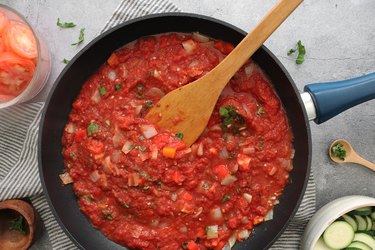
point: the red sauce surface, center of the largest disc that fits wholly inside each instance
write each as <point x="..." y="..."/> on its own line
<point x="154" y="193"/>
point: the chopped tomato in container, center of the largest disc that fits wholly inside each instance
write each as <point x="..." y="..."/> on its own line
<point x="24" y="59"/>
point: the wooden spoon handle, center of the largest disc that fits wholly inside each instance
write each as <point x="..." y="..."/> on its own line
<point x="364" y="162"/>
<point x="253" y="40"/>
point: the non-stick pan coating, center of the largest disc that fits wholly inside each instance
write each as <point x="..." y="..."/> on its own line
<point x="68" y="85"/>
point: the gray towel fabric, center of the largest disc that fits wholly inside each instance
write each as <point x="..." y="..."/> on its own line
<point x="19" y="126"/>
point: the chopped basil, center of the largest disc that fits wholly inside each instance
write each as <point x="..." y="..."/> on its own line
<point x="126" y="206"/>
<point x="141" y="137"/>
<point x="102" y="90"/>
<point x="180" y="135"/>
<point x="109" y="217"/>
<point x="66" y="61"/>
<point x="18" y="224"/>
<point x="339" y="151"/>
<point x="64" y="25"/>
<point x="131" y="147"/>
<point x="291" y="51"/>
<point x="88" y="198"/>
<point x="141" y="148"/>
<point x="92" y="129"/>
<point x="147" y="105"/>
<point x="139" y="90"/>
<point x="301" y="52"/>
<point x="146" y="187"/>
<point x="226" y="197"/>
<point x="81" y="37"/>
<point x="231" y="120"/>
<point x="117" y="87"/>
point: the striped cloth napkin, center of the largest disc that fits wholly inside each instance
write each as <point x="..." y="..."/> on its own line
<point x="19" y="126"/>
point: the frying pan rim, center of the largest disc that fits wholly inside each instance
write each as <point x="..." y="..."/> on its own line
<point x="161" y="15"/>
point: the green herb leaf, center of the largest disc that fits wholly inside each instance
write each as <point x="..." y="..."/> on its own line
<point x="301" y="52"/>
<point x="66" y="61"/>
<point x="126" y="206"/>
<point x="131" y="147"/>
<point x="88" y="198"/>
<point x="291" y="51"/>
<point x="118" y="87"/>
<point x="147" y="105"/>
<point x="141" y="148"/>
<point x="339" y="151"/>
<point x="109" y="217"/>
<point x="81" y="37"/>
<point x="102" y="90"/>
<point x="92" y="129"/>
<point x="180" y="135"/>
<point x="18" y="224"/>
<point x="226" y="197"/>
<point x="231" y="120"/>
<point x="146" y="187"/>
<point x="64" y="25"/>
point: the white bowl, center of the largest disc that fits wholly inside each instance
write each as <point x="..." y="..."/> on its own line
<point x="328" y="214"/>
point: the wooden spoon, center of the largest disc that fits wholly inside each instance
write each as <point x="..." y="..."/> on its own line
<point x="187" y="109"/>
<point x="351" y="155"/>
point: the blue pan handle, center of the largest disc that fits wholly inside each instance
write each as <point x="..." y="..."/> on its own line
<point x="332" y="98"/>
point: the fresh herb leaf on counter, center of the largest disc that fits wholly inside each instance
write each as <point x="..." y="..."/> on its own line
<point x="18" y="224"/>
<point x="65" y="25"/>
<point x="339" y="151"/>
<point x="81" y="37"/>
<point x="301" y="52"/>
<point x="66" y="61"/>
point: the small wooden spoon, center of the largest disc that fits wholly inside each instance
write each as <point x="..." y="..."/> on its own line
<point x="351" y="155"/>
<point x="187" y="109"/>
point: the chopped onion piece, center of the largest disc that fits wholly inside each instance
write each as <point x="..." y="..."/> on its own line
<point x="216" y="214"/>
<point x="246" y="109"/>
<point x="117" y="139"/>
<point x="174" y="197"/>
<point x="248" y="197"/>
<point x="189" y="45"/>
<point x="200" y="149"/>
<point x="154" y="152"/>
<point x="216" y="127"/>
<point x="269" y="215"/>
<point x="243" y="161"/>
<point x="293" y="153"/>
<point x="143" y="156"/>
<point x="154" y="223"/>
<point x="96" y="97"/>
<point x="112" y="75"/>
<point x="229" y="179"/>
<point x="70" y="128"/>
<point x="148" y="131"/>
<point x="198" y="212"/>
<point x="248" y="150"/>
<point x="233" y="168"/>
<point x="183" y="229"/>
<point x="226" y="247"/>
<point x="200" y="38"/>
<point x="138" y="109"/>
<point x="224" y="153"/>
<point x="66" y="178"/>
<point x="250" y="69"/>
<point x="95" y="176"/>
<point x="243" y="234"/>
<point x="212" y="232"/>
<point x="154" y="92"/>
<point x="133" y="180"/>
<point x="156" y="73"/>
<point x="128" y="146"/>
<point x="232" y="240"/>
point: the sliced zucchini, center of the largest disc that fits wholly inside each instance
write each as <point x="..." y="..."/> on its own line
<point x="320" y="245"/>
<point x="351" y="221"/>
<point x="338" y="235"/>
<point x="371" y="232"/>
<point x="358" y="245"/>
<point x="369" y="223"/>
<point x="365" y="238"/>
<point x="373" y="225"/>
<point x="361" y="221"/>
<point x="363" y="211"/>
<point x="373" y="215"/>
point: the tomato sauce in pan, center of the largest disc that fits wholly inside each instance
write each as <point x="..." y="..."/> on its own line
<point x="141" y="186"/>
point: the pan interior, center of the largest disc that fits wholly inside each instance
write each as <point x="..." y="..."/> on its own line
<point x="68" y="85"/>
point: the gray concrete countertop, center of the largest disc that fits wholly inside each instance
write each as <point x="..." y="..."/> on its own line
<point x="339" y="37"/>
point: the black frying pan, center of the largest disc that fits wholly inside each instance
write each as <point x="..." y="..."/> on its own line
<point x="68" y="85"/>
